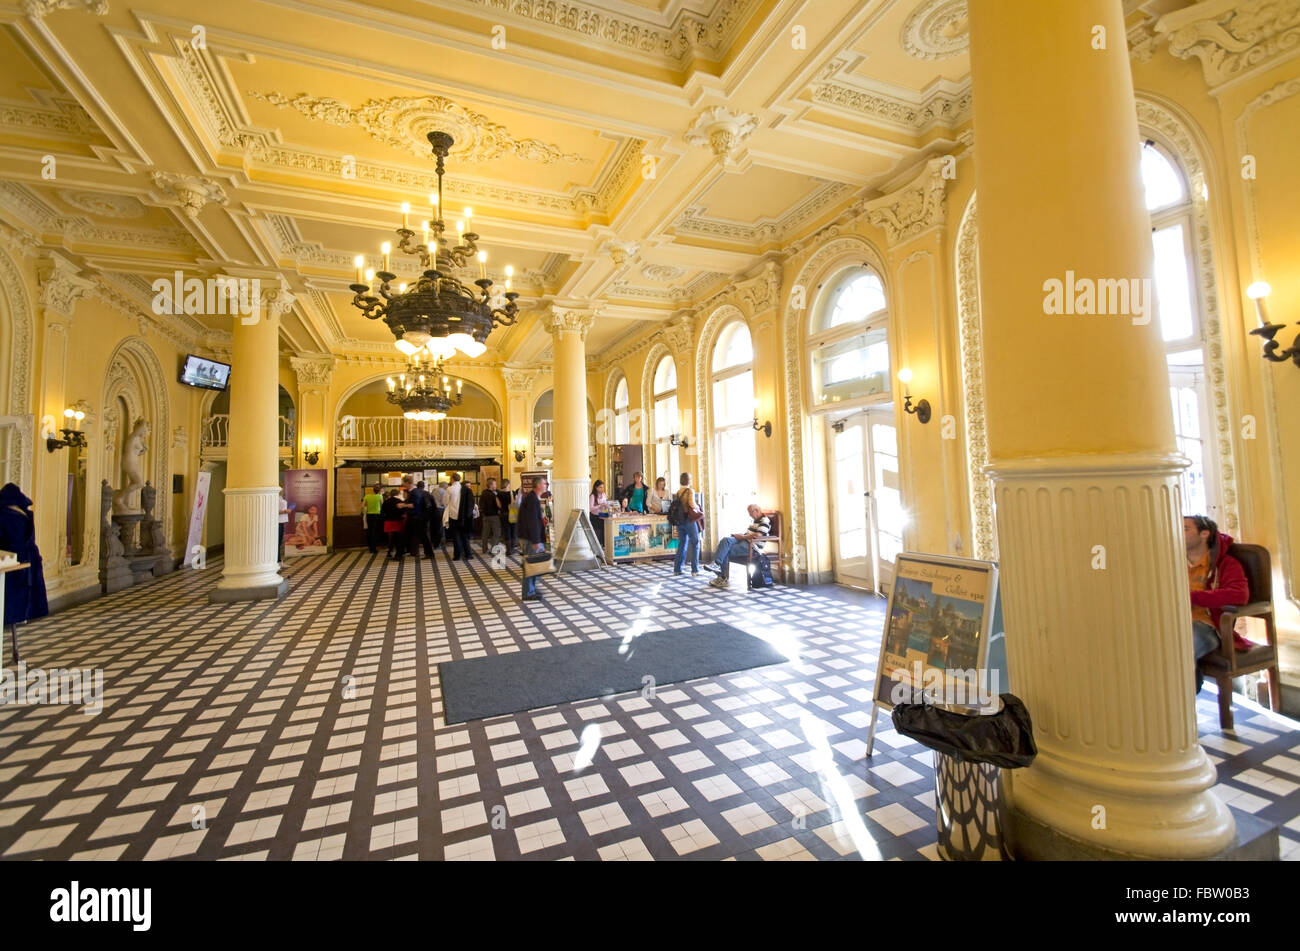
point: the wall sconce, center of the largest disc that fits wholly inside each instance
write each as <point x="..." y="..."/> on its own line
<point x="764" y="428"/>
<point x="676" y="440"/>
<point x="73" y="437"/>
<point x="311" y="451"/>
<point x="1273" y="351"/>
<point x="922" y="408"/>
<point x="520" y="449"/>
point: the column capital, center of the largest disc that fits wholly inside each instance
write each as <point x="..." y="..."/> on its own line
<point x="762" y="290"/>
<point x="680" y="334"/>
<point x="313" y="370"/>
<point x="279" y="299"/>
<point x="519" y="381"/>
<point x="914" y="208"/>
<point x="560" y="320"/>
<point x="62" y="285"/>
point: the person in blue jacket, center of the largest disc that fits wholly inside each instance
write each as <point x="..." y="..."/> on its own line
<point x="24" y="590"/>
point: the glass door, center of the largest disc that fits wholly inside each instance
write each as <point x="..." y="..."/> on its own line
<point x="885" y="508"/>
<point x="850" y="503"/>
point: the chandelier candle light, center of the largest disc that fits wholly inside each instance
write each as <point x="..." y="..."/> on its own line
<point x="438" y="313"/>
<point x="424" y="391"/>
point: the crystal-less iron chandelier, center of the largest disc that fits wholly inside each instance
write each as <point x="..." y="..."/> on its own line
<point x="424" y="391"/>
<point x="437" y="313"/>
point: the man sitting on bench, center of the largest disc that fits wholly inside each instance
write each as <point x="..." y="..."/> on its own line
<point x="736" y="547"/>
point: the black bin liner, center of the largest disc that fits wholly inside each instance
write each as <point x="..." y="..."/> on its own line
<point x="1005" y="738"/>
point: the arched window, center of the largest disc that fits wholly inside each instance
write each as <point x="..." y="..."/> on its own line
<point x="666" y="421"/>
<point x="849" y="341"/>
<point x="1169" y="201"/>
<point x="733" y="425"/>
<point x="622" y="427"/>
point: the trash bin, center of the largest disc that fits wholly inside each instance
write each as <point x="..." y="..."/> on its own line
<point x="971" y="748"/>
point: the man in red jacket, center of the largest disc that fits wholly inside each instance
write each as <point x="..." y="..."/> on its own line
<point x="1216" y="580"/>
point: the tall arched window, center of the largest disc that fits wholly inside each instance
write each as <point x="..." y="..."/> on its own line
<point x="1181" y="322"/>
<point x="733" y="425"/>
<point x="849" y="370"/>
<point x="849" y="342"/>
<point x="622" y="427"/>
<point x="666" y="422"/>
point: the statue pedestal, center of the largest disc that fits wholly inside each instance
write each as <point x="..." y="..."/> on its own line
<point x="129" y="523"/>
<point x="114" y="571"/>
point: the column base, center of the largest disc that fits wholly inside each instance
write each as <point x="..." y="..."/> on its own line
<point x="263" y="592"/>
<point x="251" y="570"/>
<point x="1256" y="840"/>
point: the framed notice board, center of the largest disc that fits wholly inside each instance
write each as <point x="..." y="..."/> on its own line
<point x="942" y="629"/>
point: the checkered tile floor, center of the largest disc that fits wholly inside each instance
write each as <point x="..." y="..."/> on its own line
<point x="312" y="728"/>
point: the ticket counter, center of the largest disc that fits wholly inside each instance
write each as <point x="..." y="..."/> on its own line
<point x="636" y="537"/>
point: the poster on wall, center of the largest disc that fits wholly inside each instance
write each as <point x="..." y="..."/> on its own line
<point x="937" y="635"/>
<point x="305" y="492"/>
<point x="526" y="479"/>
<point x="198" y="511"/>
<point x="347" y="491"/>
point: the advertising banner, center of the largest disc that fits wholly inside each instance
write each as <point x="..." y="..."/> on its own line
<point x="198" y="512"/>
<point x="306" y="492"/>
<point x="347" y="491"/>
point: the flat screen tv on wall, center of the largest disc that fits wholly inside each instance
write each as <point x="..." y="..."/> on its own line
<point x="206" y="374"/>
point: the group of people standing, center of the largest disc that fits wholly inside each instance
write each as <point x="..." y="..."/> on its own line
<point x="414" y="517"/>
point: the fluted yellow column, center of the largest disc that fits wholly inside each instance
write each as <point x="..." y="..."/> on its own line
<point x="251" y="570"/>
<point x="1081" y="445"/>
<point x="568" y="327"/>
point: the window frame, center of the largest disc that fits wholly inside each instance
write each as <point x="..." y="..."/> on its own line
<point x="815" y="340"/>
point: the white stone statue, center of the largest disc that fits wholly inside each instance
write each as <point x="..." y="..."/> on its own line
<point x="126" y="501"/>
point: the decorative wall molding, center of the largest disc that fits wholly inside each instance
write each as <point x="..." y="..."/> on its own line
<point x="937" y="29"/>
<point x="719" y="317"/>
<point x="693" y="220"/>
<point x="17" y="330"/>
<point x="53" y="115"/>
<point x="1232" y="37"/>
<point x="913" y="209"/>
<point x="404" y="123"/>
<point x="970" y="335"/>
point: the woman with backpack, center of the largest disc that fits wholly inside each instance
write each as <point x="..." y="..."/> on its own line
<point x="686" y="518"/>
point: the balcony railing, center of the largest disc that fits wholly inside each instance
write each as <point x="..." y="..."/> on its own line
<point x="215" y="437"/>
<point x="544" y="437"/>
<point x="361" y="437"/>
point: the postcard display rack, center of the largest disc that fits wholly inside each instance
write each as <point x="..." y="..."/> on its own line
<point x="943" y="633"/>
<point x="636" y="537"/>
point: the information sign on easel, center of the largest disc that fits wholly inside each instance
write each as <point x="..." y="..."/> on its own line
<point x="943" y="636"/>
<point x="579" y="520"/>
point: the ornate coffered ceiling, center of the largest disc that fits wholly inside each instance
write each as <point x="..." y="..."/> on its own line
<point x="635" y="155"/>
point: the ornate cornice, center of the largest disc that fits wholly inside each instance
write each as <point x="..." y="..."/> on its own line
<point x="765" y="231"/>
<point x="313" y="370"/>
<point x="190" y="192"/>
<point x="404" y="122"/>
<point x="941" y="107"/>
<point x="20" y="242"/>
<point x="686" y="37"/>
<point x="679" y="335"/>
<point x="1232" y="37"/>
<point x="40" y="8"/>
<point x="913" y="209"/>
<point x="62" y="285"/>
<point x="59" y="116"/>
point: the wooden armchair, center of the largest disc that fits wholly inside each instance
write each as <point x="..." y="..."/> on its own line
<point x="772" y="545"/>
<point x="1227" y="662"/>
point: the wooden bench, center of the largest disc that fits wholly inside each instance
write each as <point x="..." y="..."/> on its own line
<point x="767" y="545"/>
